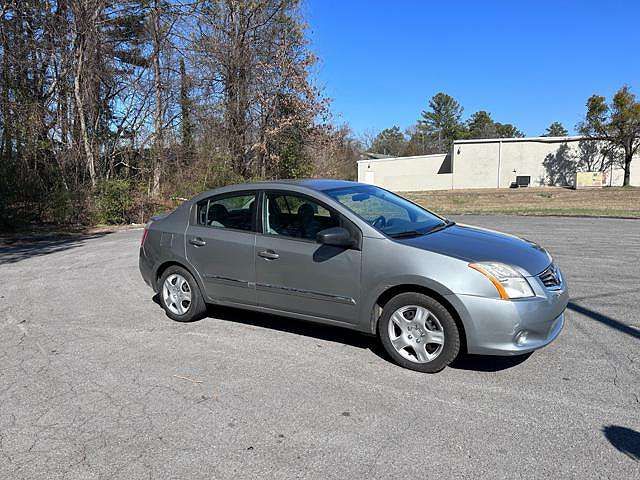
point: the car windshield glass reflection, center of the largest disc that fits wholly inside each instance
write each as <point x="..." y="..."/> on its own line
<point x="387" y="212"/>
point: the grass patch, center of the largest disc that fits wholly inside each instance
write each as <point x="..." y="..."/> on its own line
<point x="545" y="194"/>
<point x="605" y="202"/>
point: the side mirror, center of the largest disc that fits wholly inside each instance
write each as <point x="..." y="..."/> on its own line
<point x="336" y="236"/>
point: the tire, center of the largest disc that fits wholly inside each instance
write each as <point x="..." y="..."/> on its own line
<point x="174" y="299"/>
<point x="424" y="333"/>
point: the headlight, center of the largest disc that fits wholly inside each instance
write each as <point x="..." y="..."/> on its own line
<point x="507" y="280"/>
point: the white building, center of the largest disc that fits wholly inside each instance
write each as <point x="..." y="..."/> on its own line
<point x="481" y="163"/>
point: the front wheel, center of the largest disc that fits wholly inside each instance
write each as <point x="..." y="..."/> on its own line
<point x="180" y="295"/>
<point x="419" y="333"/>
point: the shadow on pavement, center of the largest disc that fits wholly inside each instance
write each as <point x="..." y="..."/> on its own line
<point x="605" y="295"/>
<point x="604" y="319"/>
<point x="286" y="324"/>
<point x="487" y="363"/>
<point x="329" y="333"/>
<point x="22" y="249"/>
<point x="291" y="325"/>
<point x="624" y="439"/>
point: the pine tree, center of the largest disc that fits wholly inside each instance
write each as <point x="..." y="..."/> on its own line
<point x="441" y="123"/>
<point x="556" y="129"/>
<point x="389" y="141"/>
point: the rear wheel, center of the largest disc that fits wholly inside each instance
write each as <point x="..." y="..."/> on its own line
<point x="419" y="333"/>
<point x="180" y="295"/>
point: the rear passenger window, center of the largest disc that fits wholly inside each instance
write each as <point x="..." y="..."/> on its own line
<point x="230" y="211"/>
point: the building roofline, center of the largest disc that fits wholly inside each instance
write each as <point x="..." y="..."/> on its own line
<point x="402" y="158"/>
<point x="523" y="139"/>
<point x="373" y="155"/>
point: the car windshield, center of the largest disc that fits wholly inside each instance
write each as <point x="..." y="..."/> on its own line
<point x="385" y="211"/>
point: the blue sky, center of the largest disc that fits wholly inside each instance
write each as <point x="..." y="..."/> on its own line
<point x="528" y="63"/>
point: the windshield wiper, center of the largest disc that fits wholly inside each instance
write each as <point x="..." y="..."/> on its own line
<point x="447" y="223"/>
<point x="414" y="233"/>
<point x="408" y="233"/>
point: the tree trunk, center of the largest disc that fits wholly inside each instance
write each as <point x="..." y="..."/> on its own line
<point x="6" y="146"/>
<point x="157" y="120"/>
<point x="186" y="127"/>
<point x="237" y="89"/>
<point x="77" y="90"/>
<point x="628" y="156"/>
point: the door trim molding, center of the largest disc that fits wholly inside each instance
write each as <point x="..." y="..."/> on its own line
<point x="300" y="292"/>
<point x="227" y="280"/>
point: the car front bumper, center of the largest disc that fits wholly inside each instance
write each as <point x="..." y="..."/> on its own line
<point x="512" y="327"/>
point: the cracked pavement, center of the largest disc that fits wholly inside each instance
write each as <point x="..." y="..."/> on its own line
<point x="97" y="383"/>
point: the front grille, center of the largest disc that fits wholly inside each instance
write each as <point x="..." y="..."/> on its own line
<point x="551" y="277"/>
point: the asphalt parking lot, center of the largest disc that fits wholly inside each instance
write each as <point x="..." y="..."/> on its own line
<point x="96" y="382"/>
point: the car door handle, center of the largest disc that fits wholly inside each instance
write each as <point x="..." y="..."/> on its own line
<point x="269" y="255"/>
<point x="197" y="241"/>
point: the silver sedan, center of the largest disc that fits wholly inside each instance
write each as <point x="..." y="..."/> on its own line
<point x="357" y="256"/>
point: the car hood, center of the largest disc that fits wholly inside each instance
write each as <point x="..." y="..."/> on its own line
<point x="474" y="244"/>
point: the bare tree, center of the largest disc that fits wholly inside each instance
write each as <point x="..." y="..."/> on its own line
<point x="99" y="97"/>
<point x="256" y="62"/>
<point x="85" y="15"/>
<point x="158" y="117"/>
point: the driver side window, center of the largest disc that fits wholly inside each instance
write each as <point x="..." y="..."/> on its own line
<point x="296" y="216"/>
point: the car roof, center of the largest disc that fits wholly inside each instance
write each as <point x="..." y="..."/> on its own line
<point x="313" y="183"/>
<point x="319" y="184"/>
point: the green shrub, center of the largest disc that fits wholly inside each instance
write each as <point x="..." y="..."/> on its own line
<point x="113" y="201"/>
<point x="219" y="174"/>
<point x="61" y="206"/>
